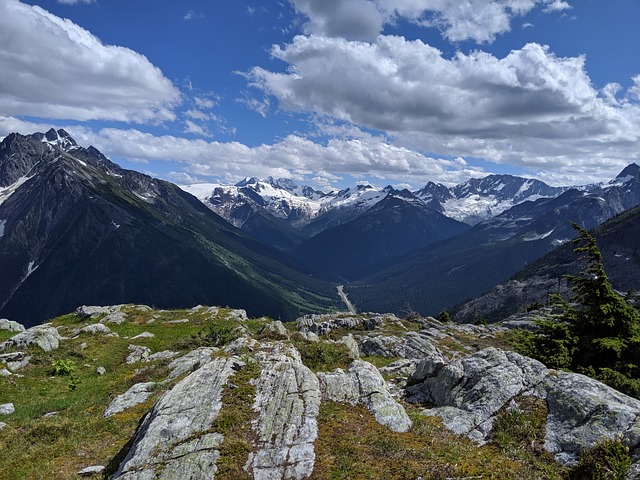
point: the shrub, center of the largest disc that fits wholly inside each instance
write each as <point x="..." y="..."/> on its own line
<point x="609" y="459"/>
<point x="324" y="356"/>
<point x="63" y="367"/>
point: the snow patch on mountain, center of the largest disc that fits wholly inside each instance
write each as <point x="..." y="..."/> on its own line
<point x="542" y="236"/>
<point x="3" y="223"/>
<point x="6" y="192"/>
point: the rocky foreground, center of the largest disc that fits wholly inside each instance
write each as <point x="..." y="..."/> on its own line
<point x="128" y="392"/>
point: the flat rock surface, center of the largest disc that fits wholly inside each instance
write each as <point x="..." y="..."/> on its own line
<point x="137" y="394"/>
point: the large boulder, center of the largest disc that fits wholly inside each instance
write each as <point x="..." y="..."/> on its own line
<point x="191" y="362"/>
<point x="11" y="326"/>
<point x="583" y="411"/>
<point x="91" y="311"/>
<point x="324" y="324"/>
<point x="363" y="384"/>
<point x="175" y="439"/>
<point x="44" y="336"/>
<point x="468" y="393"/>
<point x="287" y="403"/>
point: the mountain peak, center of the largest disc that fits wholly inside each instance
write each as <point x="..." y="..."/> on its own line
<point x="247" y="181"/>
<point x="59" y="138"/>
<point x="631" y="171"/>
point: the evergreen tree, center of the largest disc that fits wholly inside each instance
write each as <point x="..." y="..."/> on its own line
<point x="598" y="332"/>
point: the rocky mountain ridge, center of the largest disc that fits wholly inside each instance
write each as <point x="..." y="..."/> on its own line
<point x="220" y="395"/>
<point x="312" y="211"/>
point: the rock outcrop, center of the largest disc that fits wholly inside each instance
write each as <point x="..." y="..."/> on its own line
<point x="11" y="326"/>
<point x="137" y="394"/>
<point x="174" y="440"/>
<point x="44" y="336"/>
<point x="469" y="392"/>
<point x="287" y="403"/>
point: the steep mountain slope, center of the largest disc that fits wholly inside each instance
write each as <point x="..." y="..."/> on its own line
<point x="76" y="228"/>
<point x="617" y="240"/>
<point x="397" y="224"/>
<point x="446" y="273"/>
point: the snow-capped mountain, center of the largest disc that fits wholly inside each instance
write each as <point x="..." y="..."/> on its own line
<point x="302" y="207"/>
<point x="479" y="199"/>
<point x="312" y="211"/>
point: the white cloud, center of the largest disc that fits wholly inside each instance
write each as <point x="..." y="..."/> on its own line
<point x="352" y="19"/>
<point x="191" y="15"/>
<point x="196" y="129"/>
<point x="529" y="108"/>
<point x="206" y="102"/>
<point x="52" y="68"/>
<point x="557" y="6"/>
<point x="197" y="114"/>
<point x="293" y="157"/>
<point x="75" y="2"/>
<point x="478" y="20"/>
<point x="320" y="164"/>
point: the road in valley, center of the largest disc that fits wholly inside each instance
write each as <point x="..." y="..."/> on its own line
<point x="344" y="298"/>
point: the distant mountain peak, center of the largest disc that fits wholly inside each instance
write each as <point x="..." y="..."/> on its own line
<point x="630" y="172"/>
<point x="59" y="138"/>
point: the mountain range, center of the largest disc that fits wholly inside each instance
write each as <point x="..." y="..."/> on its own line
<point x="75" y="229"/>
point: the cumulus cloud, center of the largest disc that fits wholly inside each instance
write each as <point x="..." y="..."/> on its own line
<point x="557" y="6"/>
<point x="321" y="164"/>
<point x="477" y="20"/>
<point x="352" y="19"/>
<point x="293" y="157"/>
<point x="52" y="68"/>
<point x="529" y="108"/>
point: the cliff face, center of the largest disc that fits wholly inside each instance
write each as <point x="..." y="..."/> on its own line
<point x="134" y="393"/>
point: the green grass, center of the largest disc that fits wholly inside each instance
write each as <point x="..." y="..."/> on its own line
<point x="352" y="444"/>
<point x="234" y="422"/>
<point x="324" y="356"/>
<point x="33" y="446"/>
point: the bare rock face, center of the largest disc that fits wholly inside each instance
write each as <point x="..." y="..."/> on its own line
<point x="287" y="401"/>
<point x="322" y="325"/>
<point x="410" y="345"/>
<point x="92" y="311"/>
<point x="470" y="391"/>
<point x="363" y="384"/>
<point x="174" y="441"/>
<point x="191" y="362"/>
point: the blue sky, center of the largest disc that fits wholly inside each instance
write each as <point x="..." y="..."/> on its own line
<point x="330" y="92"/>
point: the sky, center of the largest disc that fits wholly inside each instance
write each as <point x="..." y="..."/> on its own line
<point x="331" y="92"/>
